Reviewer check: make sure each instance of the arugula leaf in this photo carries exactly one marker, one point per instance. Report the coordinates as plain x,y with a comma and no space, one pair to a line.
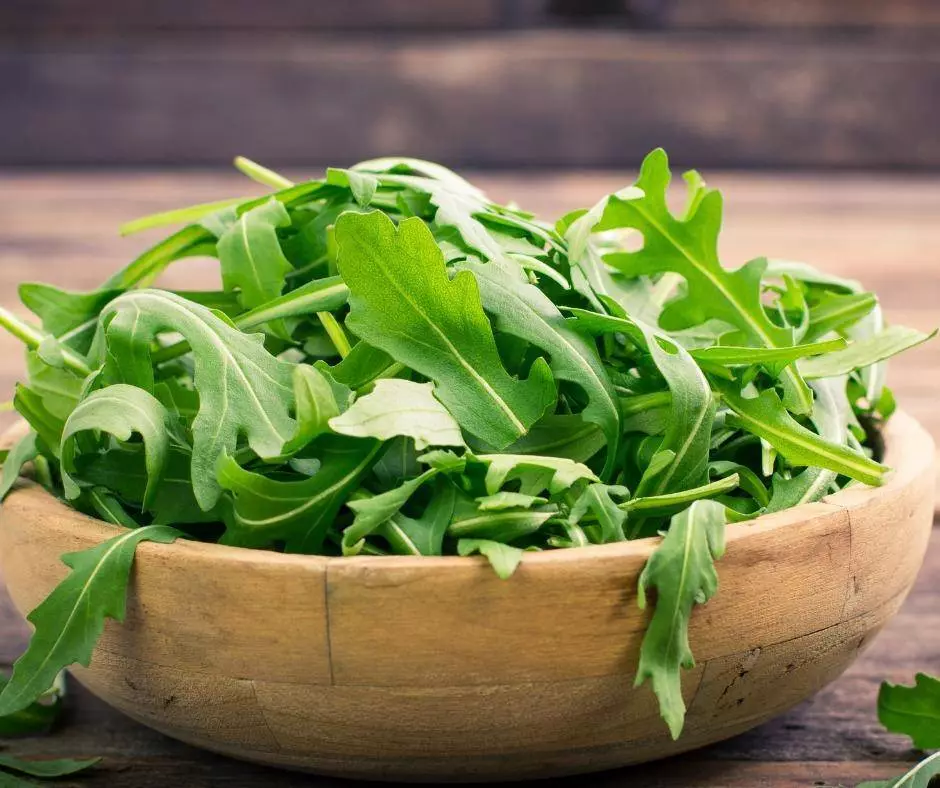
423,535
70,620
72,317
400,407
250,254
38,717
295,512
682,570
23,451
315,398
914,711
766,417
597,499
521,309
403,303
47,769
864,352
242,388
503,558
119,410
560,473
689,247
921,776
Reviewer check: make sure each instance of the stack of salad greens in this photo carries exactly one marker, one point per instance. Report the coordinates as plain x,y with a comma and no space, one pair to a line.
394,364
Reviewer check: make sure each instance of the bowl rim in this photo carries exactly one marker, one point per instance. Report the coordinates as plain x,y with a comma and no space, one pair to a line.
909,451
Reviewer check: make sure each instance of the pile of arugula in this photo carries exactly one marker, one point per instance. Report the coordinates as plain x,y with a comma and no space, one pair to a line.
395,364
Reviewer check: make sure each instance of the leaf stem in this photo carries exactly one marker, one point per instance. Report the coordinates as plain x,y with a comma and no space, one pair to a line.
335,332
31,337
261,174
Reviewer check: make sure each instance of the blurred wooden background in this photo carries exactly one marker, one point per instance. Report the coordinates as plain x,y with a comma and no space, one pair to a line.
483,83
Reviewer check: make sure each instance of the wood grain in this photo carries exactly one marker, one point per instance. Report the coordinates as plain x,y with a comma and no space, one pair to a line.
434,669
576,98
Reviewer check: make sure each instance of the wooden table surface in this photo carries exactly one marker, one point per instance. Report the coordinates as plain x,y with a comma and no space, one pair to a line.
883,230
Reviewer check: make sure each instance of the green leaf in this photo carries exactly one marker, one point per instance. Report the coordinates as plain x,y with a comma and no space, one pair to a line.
765,416
38,717
403,303
250,254
508,500
361,185
400,408
47,769
60,389
689,247
315,399
243,389
47,426
121,411
72,317
836,312
913,711
921,776
682,570
362,366
70,620
745,356
864,352
521,309
23,451
295,512
560,473
692,406
597,500
502,557
559,435
423,535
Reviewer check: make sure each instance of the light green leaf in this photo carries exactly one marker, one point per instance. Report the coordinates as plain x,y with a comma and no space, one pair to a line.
70,620
691,407
765,416
521,309
864,352
508,500
682,570
913,711
403,303
400,407
921,776
361,185
23,451
502,557
315,399
121,411
251,259
38,717
243,389
689,247
561,473
745,356
295,512
60,389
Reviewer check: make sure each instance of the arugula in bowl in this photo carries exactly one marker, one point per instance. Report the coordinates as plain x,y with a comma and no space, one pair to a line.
394,364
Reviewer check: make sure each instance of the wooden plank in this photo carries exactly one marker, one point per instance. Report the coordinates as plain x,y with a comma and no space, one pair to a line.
585,98
60,18
804,14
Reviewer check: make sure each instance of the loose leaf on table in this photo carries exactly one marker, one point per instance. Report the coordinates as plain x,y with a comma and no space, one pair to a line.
23,451
402,302
295,512
913,711
864,352
120,410
689,247
243,389
682,570
47,769
921,776
400,408
766,417
522,310
502,557
70,620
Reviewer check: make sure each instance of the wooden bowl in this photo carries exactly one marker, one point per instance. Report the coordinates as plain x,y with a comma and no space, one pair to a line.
434,669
